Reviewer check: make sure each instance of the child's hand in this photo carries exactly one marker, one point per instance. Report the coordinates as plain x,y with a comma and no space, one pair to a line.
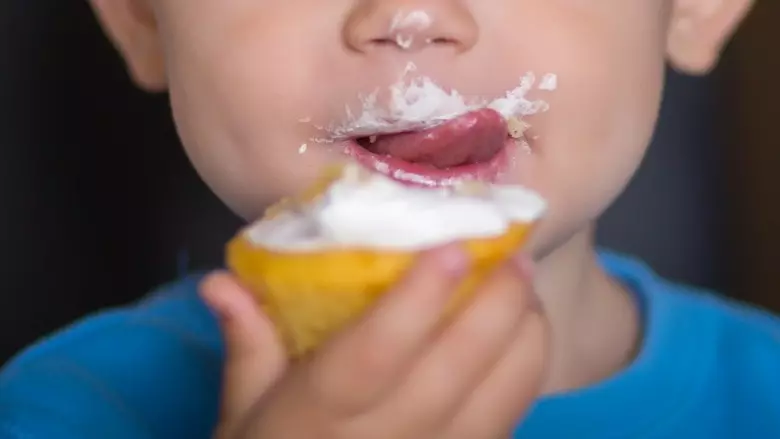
396,374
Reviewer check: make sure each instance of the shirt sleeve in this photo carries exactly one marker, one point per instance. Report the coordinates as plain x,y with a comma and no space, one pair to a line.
148,371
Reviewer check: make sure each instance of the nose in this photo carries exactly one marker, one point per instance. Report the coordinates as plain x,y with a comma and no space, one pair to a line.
410,26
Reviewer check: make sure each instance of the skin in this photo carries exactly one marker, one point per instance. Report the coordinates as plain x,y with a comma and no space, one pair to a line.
242,74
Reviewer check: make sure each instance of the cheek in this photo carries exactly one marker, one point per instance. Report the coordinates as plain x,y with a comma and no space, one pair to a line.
601,119
606,114
241,135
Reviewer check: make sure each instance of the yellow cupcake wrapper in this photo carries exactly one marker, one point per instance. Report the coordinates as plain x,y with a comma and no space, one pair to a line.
310,296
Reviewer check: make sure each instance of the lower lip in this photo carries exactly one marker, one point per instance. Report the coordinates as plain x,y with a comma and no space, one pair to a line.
415,174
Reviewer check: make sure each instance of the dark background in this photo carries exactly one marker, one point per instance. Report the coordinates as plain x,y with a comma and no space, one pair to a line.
98,203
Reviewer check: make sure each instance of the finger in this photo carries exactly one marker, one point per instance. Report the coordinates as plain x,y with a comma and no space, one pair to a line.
499,403
371,356
254,357
470,347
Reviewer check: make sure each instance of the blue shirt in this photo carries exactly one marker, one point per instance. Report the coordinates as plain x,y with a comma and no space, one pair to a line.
707,368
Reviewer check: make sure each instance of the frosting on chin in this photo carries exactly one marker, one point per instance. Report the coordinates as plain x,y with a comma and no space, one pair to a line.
369,210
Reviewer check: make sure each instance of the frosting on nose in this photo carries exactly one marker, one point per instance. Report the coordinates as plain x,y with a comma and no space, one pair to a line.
409,26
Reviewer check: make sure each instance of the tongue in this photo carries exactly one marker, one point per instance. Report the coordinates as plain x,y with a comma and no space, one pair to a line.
474,137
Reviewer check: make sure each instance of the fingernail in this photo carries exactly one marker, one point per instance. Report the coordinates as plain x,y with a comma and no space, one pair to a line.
525,264
453,259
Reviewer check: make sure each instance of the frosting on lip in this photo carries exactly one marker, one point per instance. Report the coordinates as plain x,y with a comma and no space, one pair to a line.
368,210
421,103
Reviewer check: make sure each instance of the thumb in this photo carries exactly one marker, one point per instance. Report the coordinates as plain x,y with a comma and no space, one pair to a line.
254,356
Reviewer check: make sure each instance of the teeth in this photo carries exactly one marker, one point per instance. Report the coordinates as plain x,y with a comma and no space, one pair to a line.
371,139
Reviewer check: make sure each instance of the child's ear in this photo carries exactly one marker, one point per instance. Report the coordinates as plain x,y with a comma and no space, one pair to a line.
698,30
131,26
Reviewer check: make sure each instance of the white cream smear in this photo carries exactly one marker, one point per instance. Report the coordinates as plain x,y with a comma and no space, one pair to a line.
406,24
421,103
369,210
549,82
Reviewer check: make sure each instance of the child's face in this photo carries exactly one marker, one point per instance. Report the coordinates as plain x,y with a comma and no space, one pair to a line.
252,80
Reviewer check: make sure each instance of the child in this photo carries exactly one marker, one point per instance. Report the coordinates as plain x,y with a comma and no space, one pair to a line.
560,343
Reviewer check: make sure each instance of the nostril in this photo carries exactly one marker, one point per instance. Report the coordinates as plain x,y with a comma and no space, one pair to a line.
384,42
442,40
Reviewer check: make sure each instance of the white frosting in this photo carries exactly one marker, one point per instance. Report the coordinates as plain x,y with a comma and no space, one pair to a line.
421,103
416,19
372,211
405,25
549,82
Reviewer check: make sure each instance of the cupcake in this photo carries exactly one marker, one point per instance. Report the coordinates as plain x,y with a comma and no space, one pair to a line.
317,262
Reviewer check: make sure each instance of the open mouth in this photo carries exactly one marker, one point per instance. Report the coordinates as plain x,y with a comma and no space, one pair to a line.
472,146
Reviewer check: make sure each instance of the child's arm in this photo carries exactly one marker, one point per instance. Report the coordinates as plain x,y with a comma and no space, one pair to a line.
149,371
